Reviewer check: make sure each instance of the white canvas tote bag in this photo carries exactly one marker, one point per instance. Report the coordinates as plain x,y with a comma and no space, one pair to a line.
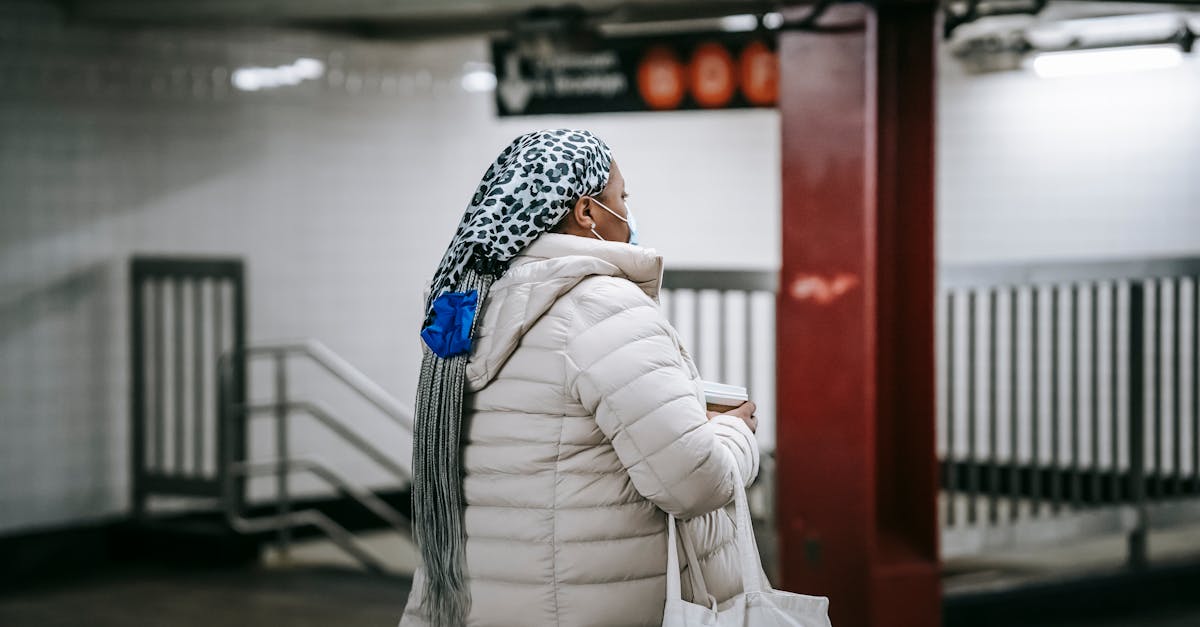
757,606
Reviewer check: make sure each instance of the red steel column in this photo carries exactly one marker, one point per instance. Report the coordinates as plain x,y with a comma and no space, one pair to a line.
855,340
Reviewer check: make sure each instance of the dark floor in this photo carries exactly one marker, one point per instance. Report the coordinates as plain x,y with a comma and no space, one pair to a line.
212,598
1171,617
307,597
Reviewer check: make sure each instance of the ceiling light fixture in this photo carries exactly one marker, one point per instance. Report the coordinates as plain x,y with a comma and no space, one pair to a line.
1105,61
479,81
1081,47
256,78
739,23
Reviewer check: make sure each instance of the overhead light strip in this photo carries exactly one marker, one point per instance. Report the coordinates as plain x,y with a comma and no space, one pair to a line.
1106,61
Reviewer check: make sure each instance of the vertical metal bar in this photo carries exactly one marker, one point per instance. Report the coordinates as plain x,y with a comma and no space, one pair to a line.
722,337
160,359
1055,382
1196,383
219,350
1014,404
225,421
1094,389
1114,388
1137,354
218,315
1176,410
225,428
231,436
177,288
993,377
1076,446
137,391
1035,410
697,328
972,460
283,504
1155,489
198,376
237,283
748,339
949,468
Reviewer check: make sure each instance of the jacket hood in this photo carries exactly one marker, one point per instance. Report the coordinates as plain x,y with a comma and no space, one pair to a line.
548,268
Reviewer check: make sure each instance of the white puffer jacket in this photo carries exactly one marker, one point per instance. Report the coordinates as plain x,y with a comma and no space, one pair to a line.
587,421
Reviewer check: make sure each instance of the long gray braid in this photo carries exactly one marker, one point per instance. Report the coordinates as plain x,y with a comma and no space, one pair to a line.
527,191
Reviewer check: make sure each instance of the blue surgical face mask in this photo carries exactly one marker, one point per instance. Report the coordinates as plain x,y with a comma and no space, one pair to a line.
630,220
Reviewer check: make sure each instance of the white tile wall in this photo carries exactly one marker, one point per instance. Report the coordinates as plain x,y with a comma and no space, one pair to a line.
1089,167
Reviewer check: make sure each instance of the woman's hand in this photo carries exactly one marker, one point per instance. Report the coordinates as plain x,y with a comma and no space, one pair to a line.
745,411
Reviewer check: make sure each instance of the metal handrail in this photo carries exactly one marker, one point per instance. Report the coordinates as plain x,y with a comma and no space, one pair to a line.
288,519
343,370
283,465
1040,273
322,414
723,280
310,517
1101,325
313,465
958,275
335,532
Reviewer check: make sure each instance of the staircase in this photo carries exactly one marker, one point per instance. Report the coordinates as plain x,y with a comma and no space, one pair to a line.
191,421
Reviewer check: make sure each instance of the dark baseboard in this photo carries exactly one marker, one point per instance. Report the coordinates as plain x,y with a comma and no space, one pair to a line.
1080,487
198,539
1098,596
54,554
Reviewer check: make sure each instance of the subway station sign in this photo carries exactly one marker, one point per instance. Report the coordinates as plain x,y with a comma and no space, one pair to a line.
693,71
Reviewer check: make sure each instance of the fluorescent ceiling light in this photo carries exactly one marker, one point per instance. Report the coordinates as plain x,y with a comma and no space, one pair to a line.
247,78
307,69
1106,61
256,78
479,80
773,20
739,23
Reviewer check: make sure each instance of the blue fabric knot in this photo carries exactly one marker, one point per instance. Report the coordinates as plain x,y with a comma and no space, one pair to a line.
449,333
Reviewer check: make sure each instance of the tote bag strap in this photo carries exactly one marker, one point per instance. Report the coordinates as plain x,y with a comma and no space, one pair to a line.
674,588
699,589
675,591
747,546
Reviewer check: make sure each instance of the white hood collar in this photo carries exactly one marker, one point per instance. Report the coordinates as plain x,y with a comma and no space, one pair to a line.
548,268
643,266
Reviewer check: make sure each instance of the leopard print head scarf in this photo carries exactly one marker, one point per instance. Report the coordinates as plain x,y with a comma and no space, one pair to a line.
531,186
528,189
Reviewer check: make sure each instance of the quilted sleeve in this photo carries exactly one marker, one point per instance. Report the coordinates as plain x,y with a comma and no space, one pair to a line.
626,369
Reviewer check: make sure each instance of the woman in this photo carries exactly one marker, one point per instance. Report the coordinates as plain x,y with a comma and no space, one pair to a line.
581,416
